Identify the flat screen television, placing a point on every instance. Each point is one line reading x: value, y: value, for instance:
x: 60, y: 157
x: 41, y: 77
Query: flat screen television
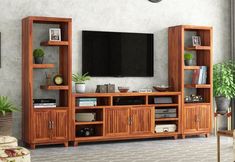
x: 117, y: 54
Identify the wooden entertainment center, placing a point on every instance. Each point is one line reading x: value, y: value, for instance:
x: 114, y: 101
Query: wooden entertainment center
x: 114, y: 120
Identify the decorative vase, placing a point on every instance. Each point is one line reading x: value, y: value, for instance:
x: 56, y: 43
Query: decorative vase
x: 6, y: 124
x: 188, y: 62
x: 38, y: 60
x: 222, y: 104
x: 80, y: 87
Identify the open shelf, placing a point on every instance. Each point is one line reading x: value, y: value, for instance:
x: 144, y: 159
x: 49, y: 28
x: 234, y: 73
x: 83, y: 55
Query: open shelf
x: 43, y: 66
x: 89, y: 123
x: 55, y: 43
x: 167, y: 119
x: 197, y: 48
x: 197, y: 86
x: 191, y: 67
x: 54, y: 87
x: 165, y: 105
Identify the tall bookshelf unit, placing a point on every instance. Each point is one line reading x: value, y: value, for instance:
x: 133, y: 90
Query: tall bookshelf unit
x: 46, y: 125
x: 196, y: 117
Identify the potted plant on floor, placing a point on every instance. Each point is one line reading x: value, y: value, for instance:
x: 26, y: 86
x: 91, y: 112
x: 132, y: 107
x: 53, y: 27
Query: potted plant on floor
x: 79, y: 81
x: 188, y: 59
x: 6, y: 109
x: 38, y: 55
x: 223, y: 85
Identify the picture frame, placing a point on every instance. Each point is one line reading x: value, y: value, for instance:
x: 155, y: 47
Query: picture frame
x: 54, y: 34
x: 196, y: 41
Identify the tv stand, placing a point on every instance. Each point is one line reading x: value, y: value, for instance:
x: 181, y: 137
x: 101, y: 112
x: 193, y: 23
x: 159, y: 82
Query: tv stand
x: 125, y: 121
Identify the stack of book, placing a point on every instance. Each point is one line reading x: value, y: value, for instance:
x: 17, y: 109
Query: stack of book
x: 200, y: 75
x: 87, y: 102
x: 44, y: 103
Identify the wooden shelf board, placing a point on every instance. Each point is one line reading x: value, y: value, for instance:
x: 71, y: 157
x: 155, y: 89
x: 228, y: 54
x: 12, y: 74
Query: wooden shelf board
x: 89, y: 123
x: 88, y: 138
x: 198, y: 48
x: 50, y: 108
x: 89, y: 107
x: 197, y: 103
x: 197, y: 86
x: 55, y: 43
x: 167, y: 119
x: 43, y: 66
x: 164, y: 105
x: 166, y: 133
x: 54, y: 87
x: 191, y: 67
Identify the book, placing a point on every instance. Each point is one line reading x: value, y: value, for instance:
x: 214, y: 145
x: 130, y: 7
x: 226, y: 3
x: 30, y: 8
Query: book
x: 47, y: 100
x: 38, y: 106
x: 195, y: 76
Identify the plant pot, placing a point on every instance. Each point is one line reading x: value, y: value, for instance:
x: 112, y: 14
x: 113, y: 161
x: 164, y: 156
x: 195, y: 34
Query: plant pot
x: 6, y: 124
x: 188, y: 62
x: 38, y: 60
x: 80, y: 88
x: 222, y: 104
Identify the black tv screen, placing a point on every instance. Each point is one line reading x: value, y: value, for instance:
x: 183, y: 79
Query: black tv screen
x: 117, y: 54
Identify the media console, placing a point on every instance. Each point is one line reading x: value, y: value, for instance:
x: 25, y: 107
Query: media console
x: 119, y: 121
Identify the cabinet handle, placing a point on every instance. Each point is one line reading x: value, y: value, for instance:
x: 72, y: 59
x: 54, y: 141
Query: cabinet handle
x: 52, y: 124
x: 131, y: 120
x: 49, y: 124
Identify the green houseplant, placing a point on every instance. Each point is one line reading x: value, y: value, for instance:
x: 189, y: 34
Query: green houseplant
x: 79, y: 81
x: 6, y: 109
x: 188, y: 59
x: 223, y: 85
x: 38, y: 55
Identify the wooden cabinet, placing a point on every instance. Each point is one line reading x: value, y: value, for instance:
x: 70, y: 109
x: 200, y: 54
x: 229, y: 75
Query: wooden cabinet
x: 117, y: 121
x: 50, y: 125
x: 196, y: 118
x: 129, y: 120
x: 42, y: 126
x: 142, y: 120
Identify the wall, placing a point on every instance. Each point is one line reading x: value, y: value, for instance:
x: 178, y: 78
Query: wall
x: 109, y: 15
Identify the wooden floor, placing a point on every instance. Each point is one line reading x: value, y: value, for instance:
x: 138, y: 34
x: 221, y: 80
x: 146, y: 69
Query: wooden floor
x: 196, y: 149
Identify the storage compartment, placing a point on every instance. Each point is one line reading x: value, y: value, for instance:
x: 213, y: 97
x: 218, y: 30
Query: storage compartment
x: 162, y: 99
x: 89, y: 130
x: 87, y: 115
x: 160, y: 128
x: 93, y: 101
x: 127, y: 100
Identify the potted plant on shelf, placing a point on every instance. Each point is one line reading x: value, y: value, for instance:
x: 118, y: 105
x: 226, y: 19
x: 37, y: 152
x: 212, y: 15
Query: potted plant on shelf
x: 6, y: 109
x: 38, y: 55
x: 188, y: 59
x: 223, y: 85
x: 79, y: 81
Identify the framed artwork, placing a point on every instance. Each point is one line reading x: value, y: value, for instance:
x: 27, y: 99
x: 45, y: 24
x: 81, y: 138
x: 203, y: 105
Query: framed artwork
x: 196, y: 40
x: 54, y: 34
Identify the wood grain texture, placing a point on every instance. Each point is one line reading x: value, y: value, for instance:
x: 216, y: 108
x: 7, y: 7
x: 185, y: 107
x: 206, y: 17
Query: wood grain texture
x: 59, y: 125
x: 189, y: 119
x: 117, y: 121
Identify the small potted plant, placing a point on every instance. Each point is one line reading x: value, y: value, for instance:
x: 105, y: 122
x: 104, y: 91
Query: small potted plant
x: 6, y: 109
x: 223, y: 85
x: 38, y: 55
x: 188, y: 59
x: 79, y: 81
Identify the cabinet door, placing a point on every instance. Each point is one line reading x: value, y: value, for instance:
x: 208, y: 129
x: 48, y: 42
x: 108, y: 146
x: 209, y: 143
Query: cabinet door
x: 59, y: 124
x: 142, y: 120
x: 190, y: 119
x: 204, y: 118
x: 117, y: 121
x: 42, y: 127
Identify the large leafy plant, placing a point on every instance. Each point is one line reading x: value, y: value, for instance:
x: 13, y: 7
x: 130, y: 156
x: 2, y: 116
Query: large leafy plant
x: 224, y: 79
x: 80, y: 79
x: 6, y: 106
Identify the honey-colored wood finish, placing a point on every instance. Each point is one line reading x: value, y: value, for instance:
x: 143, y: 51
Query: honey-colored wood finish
x: 196, y: 117
x: 121, y: 122
x: 47, y: 125
x: 117, y: 121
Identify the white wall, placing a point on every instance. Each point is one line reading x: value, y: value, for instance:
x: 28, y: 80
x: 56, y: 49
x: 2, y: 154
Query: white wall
x: 109, y: 15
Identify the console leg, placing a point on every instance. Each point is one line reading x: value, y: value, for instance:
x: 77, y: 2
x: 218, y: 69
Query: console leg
x: 32, y: 146
x: 183, y: 136
x: 75, y: 144
x: 176, y: 137
x: 207, y: 135
x: 66, y: 144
